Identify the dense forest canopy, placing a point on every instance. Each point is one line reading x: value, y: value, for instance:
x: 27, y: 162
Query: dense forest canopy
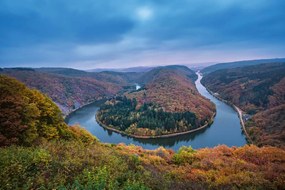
x: 147, y: 120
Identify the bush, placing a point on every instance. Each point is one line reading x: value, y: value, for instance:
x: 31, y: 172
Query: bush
x: 184, y: 155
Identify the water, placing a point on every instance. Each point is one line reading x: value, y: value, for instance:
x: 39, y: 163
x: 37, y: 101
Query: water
x: 138, y: 86
x: 226, y: 128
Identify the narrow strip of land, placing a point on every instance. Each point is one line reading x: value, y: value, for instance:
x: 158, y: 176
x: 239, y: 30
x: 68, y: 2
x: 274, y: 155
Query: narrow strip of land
x: 242, y: 123
x: 152, y: 137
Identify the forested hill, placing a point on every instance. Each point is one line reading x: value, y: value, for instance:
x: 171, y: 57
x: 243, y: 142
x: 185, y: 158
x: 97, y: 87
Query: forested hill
x: 174, y: 69
x: 119, y: 78
x: 167, y: 103
x: 28, y: 117
x: 252, y: 88
x: 173, y: 88
x: 260, y: 91
x: 237, y: 64
x: 71, y: 88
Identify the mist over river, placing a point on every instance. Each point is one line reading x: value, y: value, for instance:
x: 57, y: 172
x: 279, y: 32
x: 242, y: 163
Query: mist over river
x: 226, y: 128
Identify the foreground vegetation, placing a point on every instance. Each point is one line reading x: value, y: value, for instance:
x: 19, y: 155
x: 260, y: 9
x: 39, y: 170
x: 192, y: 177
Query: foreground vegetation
x: 259, y: 91
x: 72, y: 165
x: 28, y: 117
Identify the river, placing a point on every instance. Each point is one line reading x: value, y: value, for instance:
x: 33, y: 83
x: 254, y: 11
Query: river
x: 226, y: 128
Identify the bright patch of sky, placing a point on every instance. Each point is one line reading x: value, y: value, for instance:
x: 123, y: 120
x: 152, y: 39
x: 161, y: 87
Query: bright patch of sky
x: 144, y: 13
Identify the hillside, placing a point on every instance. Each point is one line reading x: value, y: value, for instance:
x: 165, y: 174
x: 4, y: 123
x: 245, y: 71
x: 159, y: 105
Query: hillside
x: 173, y: 88
x: 68, y: 92
x: 237, y: 64
x: 129, y: 69
x: 122, y: 79
x: 177, y: 69
x: 69, y: 165
x: 47, y: 154
x: 28, y: 117
x: 259, y: 91
x: 168, y: 103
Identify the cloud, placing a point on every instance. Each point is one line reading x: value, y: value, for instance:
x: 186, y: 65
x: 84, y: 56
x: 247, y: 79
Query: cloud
x: 144, y: 13
x: 59, y: 22
x: 94, y: 33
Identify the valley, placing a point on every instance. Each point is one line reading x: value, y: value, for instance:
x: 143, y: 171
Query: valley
x: 168, y: 92
x: 38, y: 150
x: 217, y: 133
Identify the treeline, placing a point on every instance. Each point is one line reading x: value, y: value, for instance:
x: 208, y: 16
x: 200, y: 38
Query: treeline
x: 149, y: 119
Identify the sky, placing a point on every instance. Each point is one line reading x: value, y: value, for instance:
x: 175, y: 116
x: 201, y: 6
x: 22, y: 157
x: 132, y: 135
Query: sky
x: 88, y: 34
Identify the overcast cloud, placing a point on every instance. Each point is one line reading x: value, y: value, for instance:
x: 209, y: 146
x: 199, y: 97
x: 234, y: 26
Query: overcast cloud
x: 111, y: 33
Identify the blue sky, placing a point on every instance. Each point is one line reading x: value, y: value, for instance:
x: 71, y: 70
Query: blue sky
x: 89, y: 34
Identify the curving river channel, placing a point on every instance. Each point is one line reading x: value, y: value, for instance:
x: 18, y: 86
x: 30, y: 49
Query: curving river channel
x: 226, y: 128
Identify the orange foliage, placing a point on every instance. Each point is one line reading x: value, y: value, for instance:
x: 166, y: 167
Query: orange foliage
x: 216, y: 168
x: 174, y: 92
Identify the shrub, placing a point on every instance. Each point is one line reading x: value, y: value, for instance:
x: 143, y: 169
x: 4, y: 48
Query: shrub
x: 184, y: 155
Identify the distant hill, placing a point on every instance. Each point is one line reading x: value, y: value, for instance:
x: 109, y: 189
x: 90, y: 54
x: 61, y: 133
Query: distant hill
x: 167, y: 103
x: 260, y: 91
x: 130, y: 69
x: 119, y: 78
x: 69, y: 90
x: 115, y: 77
x: 236, y: 64
x: 137, y: 69
x: 63, y: 71
x: 178, y: 69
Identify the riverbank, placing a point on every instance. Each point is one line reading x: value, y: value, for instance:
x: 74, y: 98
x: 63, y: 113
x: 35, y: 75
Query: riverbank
x: 242, y: 123
x: 239, y: 112
x: 154, y: 137
x: 74, y: 110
